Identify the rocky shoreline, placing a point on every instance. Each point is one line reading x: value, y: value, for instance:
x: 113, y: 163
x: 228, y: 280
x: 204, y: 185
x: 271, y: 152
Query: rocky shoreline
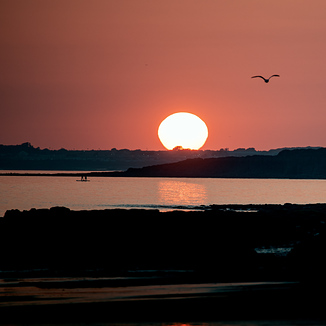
x: 244, y: 237
x: 145, y: 251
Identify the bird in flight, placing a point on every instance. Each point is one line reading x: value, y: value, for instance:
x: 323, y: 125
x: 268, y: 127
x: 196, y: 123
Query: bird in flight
x: 266, y: 80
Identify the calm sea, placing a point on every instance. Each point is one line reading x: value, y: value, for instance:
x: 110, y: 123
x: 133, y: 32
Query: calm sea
x: 26, y: 192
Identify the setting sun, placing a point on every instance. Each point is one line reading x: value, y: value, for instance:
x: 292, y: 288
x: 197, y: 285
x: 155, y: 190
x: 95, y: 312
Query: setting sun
x: 183, y: 129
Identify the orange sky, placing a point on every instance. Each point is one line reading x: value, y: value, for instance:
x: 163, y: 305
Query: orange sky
x: 104, y: 73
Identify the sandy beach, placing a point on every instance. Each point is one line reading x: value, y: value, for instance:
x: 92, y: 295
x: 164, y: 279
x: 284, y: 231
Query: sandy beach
x: 95, y: 300
x: 49, y: 291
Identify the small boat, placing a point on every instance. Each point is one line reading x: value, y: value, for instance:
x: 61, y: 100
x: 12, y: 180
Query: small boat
x: 83, y: 179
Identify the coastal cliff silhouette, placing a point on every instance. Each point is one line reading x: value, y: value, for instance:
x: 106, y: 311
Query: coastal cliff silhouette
x: 296, y: 164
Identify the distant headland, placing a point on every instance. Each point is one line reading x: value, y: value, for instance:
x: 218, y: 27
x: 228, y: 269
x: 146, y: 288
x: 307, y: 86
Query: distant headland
x: 27, y: 157
x: 287, y: 164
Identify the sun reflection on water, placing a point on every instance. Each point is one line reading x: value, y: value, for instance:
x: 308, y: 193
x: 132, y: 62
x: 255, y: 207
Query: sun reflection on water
x: 175, y: 192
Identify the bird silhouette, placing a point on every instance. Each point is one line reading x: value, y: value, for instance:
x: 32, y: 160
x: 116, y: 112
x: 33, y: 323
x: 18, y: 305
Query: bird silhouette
x: 266, y: 80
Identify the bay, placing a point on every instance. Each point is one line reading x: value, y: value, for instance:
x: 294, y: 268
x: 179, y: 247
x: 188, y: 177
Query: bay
x: 26, y: 192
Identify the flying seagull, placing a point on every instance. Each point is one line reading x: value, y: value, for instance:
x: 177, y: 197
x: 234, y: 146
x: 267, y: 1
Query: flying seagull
x: 266, y: 80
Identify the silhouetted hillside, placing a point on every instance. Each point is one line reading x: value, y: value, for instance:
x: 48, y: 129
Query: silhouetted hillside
x: 298, y: 163
x: 28, y: 157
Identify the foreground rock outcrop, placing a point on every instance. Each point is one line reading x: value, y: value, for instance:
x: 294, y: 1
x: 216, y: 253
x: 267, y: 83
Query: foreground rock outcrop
x: 224, y: 243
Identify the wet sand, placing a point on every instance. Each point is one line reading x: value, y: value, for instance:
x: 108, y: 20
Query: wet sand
x: 49, y: 291
x: 62, y: 300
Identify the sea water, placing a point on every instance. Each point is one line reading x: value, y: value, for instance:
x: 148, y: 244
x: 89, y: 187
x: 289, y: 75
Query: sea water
x: 26, y: 192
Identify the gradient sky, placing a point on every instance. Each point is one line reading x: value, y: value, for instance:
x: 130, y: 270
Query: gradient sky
x: 99, y: 74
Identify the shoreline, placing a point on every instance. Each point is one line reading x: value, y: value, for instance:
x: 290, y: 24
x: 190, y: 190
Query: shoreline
x: 127, y: 174
x: 166, y: 303
x: 186, y: 304
x: 140, y: 265
x: 287, y: 164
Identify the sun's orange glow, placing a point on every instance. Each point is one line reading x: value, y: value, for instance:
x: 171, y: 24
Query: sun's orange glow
x: 186, y: 192
x: 183, y: 129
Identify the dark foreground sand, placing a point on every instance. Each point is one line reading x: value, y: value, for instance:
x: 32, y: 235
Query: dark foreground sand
x: 60, y: 301
x: 263, y: 262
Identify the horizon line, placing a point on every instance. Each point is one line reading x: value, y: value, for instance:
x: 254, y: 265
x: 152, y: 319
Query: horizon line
x: 226, y: 149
